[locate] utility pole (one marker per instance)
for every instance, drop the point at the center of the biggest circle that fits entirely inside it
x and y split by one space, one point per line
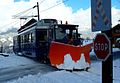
38 11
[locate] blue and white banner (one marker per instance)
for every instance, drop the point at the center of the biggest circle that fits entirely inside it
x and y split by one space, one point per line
101 15
21 0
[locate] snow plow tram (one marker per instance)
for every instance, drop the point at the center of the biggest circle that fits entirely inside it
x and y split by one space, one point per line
47 40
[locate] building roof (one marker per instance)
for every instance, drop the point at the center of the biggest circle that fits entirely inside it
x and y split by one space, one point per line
116 30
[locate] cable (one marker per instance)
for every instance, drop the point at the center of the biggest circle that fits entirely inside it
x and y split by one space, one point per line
14 22
27 10
54 6
17 15
23 12
27 14
41 1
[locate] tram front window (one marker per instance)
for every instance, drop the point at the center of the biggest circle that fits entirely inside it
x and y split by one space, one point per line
66 33
43 35
60 34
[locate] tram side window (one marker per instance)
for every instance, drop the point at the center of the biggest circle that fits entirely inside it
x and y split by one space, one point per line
25 39
21 39
32 37
16 40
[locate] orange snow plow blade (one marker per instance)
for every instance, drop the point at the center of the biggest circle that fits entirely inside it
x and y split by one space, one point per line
64 56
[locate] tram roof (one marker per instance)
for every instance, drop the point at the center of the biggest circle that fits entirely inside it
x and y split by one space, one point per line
67 26
32 21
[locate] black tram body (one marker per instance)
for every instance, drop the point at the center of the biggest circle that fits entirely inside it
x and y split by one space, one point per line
35 37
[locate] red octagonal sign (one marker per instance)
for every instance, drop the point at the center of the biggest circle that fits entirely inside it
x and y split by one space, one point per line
102 46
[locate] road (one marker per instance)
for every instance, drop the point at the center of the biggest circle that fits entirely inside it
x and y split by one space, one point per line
8 74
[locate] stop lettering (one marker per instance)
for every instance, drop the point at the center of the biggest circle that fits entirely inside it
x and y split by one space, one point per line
101 46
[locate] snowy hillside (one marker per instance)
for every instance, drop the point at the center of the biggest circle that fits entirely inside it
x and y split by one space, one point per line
6 39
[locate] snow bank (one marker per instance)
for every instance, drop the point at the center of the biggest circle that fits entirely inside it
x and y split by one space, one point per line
70 64
94 75
54 77
28 79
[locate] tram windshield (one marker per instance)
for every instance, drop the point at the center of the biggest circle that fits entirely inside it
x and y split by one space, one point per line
66 32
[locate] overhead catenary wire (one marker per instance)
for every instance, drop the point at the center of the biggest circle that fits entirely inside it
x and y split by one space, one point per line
54 6
41 1
21 13
10 24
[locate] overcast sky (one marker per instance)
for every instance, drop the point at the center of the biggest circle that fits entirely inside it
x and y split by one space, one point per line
74 11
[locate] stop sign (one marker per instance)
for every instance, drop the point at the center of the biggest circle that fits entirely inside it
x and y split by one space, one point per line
102 46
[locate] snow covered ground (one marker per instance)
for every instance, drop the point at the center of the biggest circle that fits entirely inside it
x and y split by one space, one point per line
13 60
92 76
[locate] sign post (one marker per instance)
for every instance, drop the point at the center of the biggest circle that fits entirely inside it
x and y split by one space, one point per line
101 21
107 66
102 49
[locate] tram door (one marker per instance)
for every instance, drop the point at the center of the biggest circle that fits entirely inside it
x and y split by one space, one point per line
42 42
